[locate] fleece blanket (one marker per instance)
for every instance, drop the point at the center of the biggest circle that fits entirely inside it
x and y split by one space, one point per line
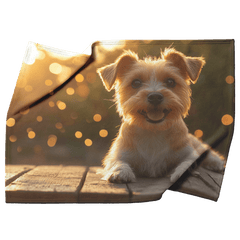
61 113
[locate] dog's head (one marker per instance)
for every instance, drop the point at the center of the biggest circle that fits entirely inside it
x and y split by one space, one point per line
152 93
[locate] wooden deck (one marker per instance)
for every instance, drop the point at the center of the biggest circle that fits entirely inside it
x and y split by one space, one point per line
80 184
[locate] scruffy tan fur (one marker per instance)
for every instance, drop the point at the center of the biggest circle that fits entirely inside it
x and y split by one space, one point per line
153 97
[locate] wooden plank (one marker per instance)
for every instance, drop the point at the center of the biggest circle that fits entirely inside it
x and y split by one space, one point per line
47 184
96 190
203 183
12 172
148 189
27 183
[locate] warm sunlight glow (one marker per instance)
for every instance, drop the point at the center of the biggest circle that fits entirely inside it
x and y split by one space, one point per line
11 122
31 54
88 50
58 53
227 119
103 133
55 68
41 55
78 134
97 117
112 45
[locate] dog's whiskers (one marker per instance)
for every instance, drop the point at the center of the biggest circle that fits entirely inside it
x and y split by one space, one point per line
110 100
112 105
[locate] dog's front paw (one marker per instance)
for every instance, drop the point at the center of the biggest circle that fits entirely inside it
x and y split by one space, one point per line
122 174
122 177
214 162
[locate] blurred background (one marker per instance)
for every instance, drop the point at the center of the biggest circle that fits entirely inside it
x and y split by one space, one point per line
78 123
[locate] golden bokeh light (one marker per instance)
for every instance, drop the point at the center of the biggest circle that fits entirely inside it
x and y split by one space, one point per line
39 118
52 140
55 68
70 91
198 133
51 104
48 82
61 105
25 112
97 117
83 90
78 134
74 115
103 133
79 77
62 130
65 74
29 129
227 119
11 122
19 149
91 77
28 88
31 134
13 138
59 125
88 142
229 79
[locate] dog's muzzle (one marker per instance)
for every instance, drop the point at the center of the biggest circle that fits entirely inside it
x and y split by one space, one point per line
165 112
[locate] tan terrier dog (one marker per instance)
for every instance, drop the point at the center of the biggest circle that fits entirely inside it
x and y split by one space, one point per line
153 96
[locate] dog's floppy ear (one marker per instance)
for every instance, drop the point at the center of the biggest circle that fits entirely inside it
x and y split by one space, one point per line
190 67
111 72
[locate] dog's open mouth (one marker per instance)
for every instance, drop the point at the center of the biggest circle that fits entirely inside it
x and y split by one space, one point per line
155 116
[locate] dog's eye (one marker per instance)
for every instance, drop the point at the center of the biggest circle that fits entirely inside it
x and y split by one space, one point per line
170 82
136 83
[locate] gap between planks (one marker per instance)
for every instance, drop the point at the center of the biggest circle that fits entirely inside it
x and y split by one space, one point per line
50 184
19 171
60 184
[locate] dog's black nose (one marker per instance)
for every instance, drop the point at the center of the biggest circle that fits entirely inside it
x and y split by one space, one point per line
155 98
